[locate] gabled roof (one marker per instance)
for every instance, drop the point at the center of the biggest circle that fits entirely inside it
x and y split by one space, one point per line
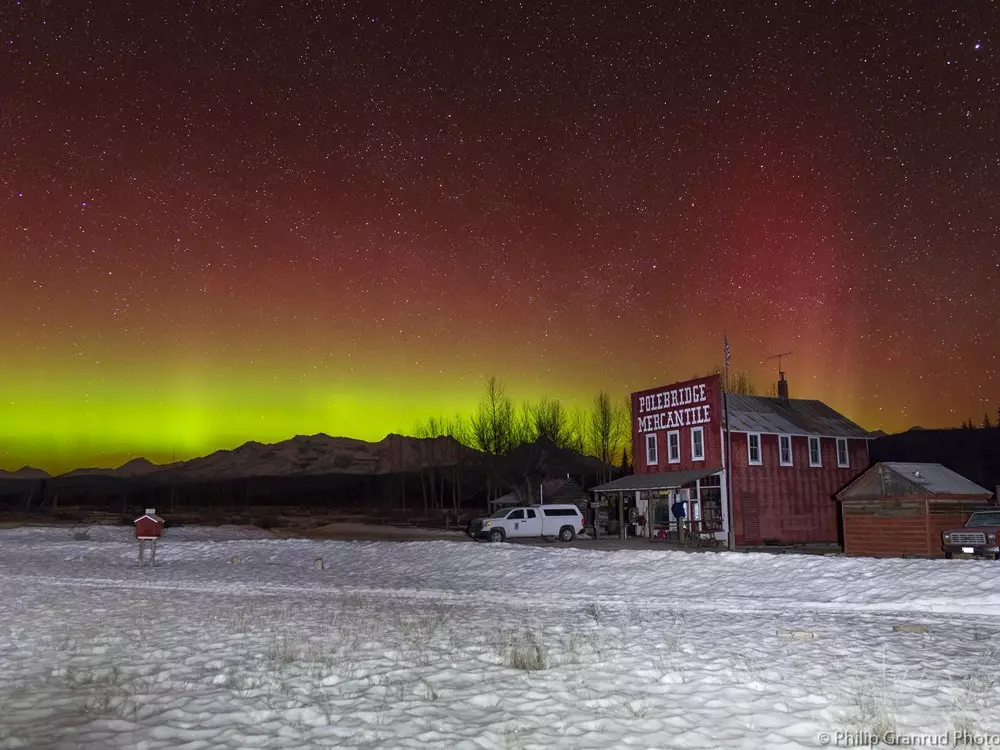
664 480
936 479
894 479
796 416
152 516
563 491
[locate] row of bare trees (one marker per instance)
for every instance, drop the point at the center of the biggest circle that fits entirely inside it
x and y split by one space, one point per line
498 425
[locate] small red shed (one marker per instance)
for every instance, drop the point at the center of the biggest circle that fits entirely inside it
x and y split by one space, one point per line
149 525
900 509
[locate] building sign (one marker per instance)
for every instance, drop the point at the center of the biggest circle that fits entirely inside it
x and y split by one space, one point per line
677 407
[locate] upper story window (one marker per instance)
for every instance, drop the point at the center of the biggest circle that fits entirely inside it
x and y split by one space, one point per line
785 450
697 443
651 449
674 447
815 457
843 457
753 449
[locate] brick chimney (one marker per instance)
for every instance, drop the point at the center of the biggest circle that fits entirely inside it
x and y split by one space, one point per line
782 386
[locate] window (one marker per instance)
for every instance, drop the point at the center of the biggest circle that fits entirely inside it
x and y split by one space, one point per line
516 515
674 447
815 457
651 449
753 449
560 512
530 513
843 458
697 443
785 450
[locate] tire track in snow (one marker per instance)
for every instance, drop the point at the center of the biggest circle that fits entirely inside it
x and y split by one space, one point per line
943 610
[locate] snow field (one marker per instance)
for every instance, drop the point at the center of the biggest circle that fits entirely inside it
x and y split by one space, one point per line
438 644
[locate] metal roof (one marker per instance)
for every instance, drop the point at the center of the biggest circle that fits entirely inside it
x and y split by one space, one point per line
665 480
936 479
797 416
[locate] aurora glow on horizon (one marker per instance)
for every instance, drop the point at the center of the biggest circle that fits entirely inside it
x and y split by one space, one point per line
222 223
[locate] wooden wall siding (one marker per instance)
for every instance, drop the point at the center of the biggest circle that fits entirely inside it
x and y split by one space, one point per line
749 518
712 431
910 530
967 506
888 509
796 504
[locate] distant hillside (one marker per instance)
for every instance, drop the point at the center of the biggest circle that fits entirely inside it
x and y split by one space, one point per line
975 454
302 455
25 472
307 471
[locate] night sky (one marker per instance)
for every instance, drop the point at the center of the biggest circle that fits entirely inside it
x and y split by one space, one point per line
224 221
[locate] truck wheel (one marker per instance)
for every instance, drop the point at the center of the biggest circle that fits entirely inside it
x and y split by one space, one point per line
496 535
567 534
948 555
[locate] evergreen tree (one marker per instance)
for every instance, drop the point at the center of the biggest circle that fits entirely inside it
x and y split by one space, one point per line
986 421
626 469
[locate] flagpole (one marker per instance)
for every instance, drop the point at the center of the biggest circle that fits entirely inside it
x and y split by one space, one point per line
731 535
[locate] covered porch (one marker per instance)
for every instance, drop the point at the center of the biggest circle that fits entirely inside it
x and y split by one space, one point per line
640 505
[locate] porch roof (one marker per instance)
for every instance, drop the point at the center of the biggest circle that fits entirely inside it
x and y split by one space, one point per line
665 480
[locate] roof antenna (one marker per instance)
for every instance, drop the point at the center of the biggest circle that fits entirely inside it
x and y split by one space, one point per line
782 383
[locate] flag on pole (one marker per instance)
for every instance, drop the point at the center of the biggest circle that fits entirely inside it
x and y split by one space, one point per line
725 350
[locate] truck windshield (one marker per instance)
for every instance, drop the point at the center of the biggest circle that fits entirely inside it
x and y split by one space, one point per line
502 513
984 519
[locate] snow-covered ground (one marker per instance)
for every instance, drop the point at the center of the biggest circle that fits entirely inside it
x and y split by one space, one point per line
238 640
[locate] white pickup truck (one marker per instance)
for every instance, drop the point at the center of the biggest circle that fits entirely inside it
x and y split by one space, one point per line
563 521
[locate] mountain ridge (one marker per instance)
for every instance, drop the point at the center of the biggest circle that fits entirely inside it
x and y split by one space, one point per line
301 455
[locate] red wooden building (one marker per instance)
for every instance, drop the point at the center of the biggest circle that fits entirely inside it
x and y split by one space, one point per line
903 508
787 458
148 525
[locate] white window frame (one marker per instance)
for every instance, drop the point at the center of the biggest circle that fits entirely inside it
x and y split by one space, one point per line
698 431
674 440
760 449
782 441
651 457
846 463
818 463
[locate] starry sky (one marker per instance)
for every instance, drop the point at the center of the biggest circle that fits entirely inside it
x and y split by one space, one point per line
226 221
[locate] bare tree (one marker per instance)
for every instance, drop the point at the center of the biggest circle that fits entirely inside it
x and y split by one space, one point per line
492 428
445 458
523 428
576 438
740 381
549 420
608 425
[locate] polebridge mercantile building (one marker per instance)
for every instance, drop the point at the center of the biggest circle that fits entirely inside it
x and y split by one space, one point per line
786 461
